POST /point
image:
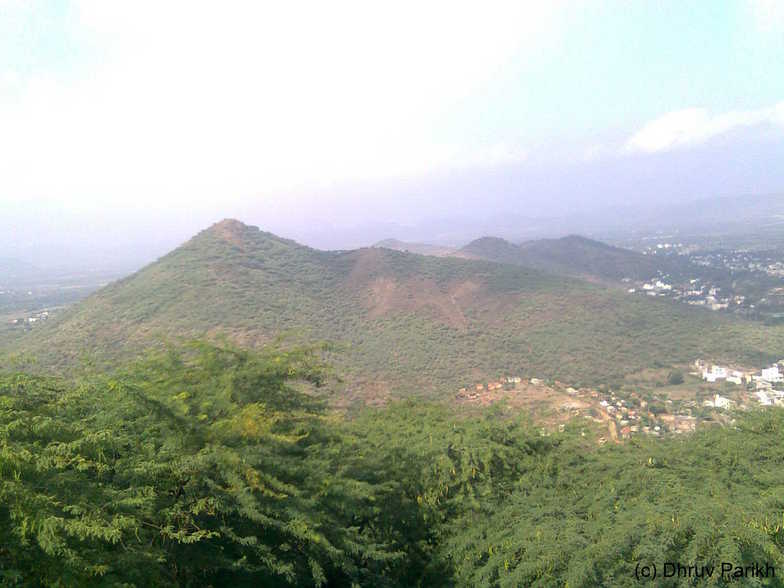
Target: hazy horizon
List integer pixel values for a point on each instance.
(126, 130)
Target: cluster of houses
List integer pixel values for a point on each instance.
(506, 383)
(700, 292)
(620, 415)
(32, 319)
(708, 296)
(693, 293)
(628, 414)
(736, 260)
(624, 416)
(742, 260)
(632, 416)
(767, 383)
(652, 288)
(659, 247)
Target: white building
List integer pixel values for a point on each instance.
(771, 374)
(764, 399)
(716, 372)
(719, 402)
(722, 402)
(761, 384)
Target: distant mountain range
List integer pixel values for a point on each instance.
(700, 218)
(568, 256)
(723, 215)
(413, 324)
(14, 269)
(572, 256)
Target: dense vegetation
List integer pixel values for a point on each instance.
(191, 469)
(211, 465)
(410, 323)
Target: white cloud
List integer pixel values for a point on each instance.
(768, 14)
(692, 126)
(195, 98)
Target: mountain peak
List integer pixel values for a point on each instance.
(230, 225)
(231, 230)
(492, 249)
(582, 240)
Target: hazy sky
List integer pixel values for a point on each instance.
(122, 118)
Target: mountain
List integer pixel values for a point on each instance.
(409, 323)
(749, 221)
(571, 256)
(723, 215)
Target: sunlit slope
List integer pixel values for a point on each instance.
(410, 322)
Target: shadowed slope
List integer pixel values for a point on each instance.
(572, 256)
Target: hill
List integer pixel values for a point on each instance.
(420, 248)
(410, 323)
(572, 256)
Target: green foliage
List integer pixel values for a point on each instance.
(403, 322)
(432, 466)
(193, 468)
(213, 466)
(675, 377)
(588, 518)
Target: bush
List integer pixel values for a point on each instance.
(675, 377)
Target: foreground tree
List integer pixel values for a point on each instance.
(198, 467)
(213, 466)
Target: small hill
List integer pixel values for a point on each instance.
(571, 256)
(420, 248)
(494, 249)
(409, 323)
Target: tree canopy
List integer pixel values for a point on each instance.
(215, 466)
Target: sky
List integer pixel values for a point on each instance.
(127, 126)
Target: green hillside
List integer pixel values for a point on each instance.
(571, 256)
(410, 323)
